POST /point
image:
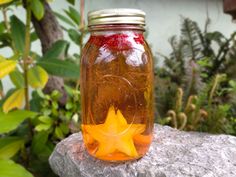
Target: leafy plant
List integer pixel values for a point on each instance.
(186, 118)
(194, 70)
(31, 126)
(54, 123)
(199, 113)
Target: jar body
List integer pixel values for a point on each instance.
(117, 95)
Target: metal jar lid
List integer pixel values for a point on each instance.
(116, 16)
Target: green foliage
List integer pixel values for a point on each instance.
(28, 135)
(60, 68)
(15, 100)
(186, 118)
(64, 19)
(74, 36)
(206, 101)
(200, 63)
(208, 52)
(200, 113)
(71, 2)
(7, 66)
(9, 146)
(17, 33)
(54, 123)
(1, 89)
(17, 78)
(58, 49)
(37, 9)
(74, 15)
(38, 77)
(76, 31)
(12, 120)
(10, 169)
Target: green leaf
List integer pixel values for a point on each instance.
(7, 66)
(17, 79)
(38, 77)
(225, 108)
(59, 133)
(74, 15)
(35, 102)
(216, 36)
(16, 100)
(64, 19)
(37, 8)
(69, 91)
(74, 36)
(71, 2)
(46, 120)
(204, 62)
(55, 95)
(8, 168)
(33, 36)
(5, 40)
(16, 56)
(69, 105)
(39, 141)
(55, 105)
(6, 95)
(1, 88)
(10, 146)
(18, 33)
(2, 27)
(42, 127)
(232, 83)
(64, 128)
(12, 120)
(60, 68)
(58, 48)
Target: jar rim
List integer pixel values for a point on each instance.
(116, 16)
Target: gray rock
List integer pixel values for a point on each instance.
(173, 153)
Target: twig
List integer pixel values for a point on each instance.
(27, 5)
(8, 28)
(81, 29)
(26, 53)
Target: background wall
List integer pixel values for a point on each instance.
(163, 18)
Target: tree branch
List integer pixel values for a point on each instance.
(49, 31)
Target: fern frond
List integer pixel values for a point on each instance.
(192, 80)
(189, 34)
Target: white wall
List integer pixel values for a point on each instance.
(163, 18)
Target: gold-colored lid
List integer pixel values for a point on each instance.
(116, 16)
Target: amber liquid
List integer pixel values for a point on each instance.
(117, 73)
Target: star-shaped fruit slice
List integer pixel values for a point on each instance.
(115, 134)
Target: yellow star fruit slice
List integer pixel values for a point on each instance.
(115, 134)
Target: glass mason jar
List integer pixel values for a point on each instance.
(117, 86)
